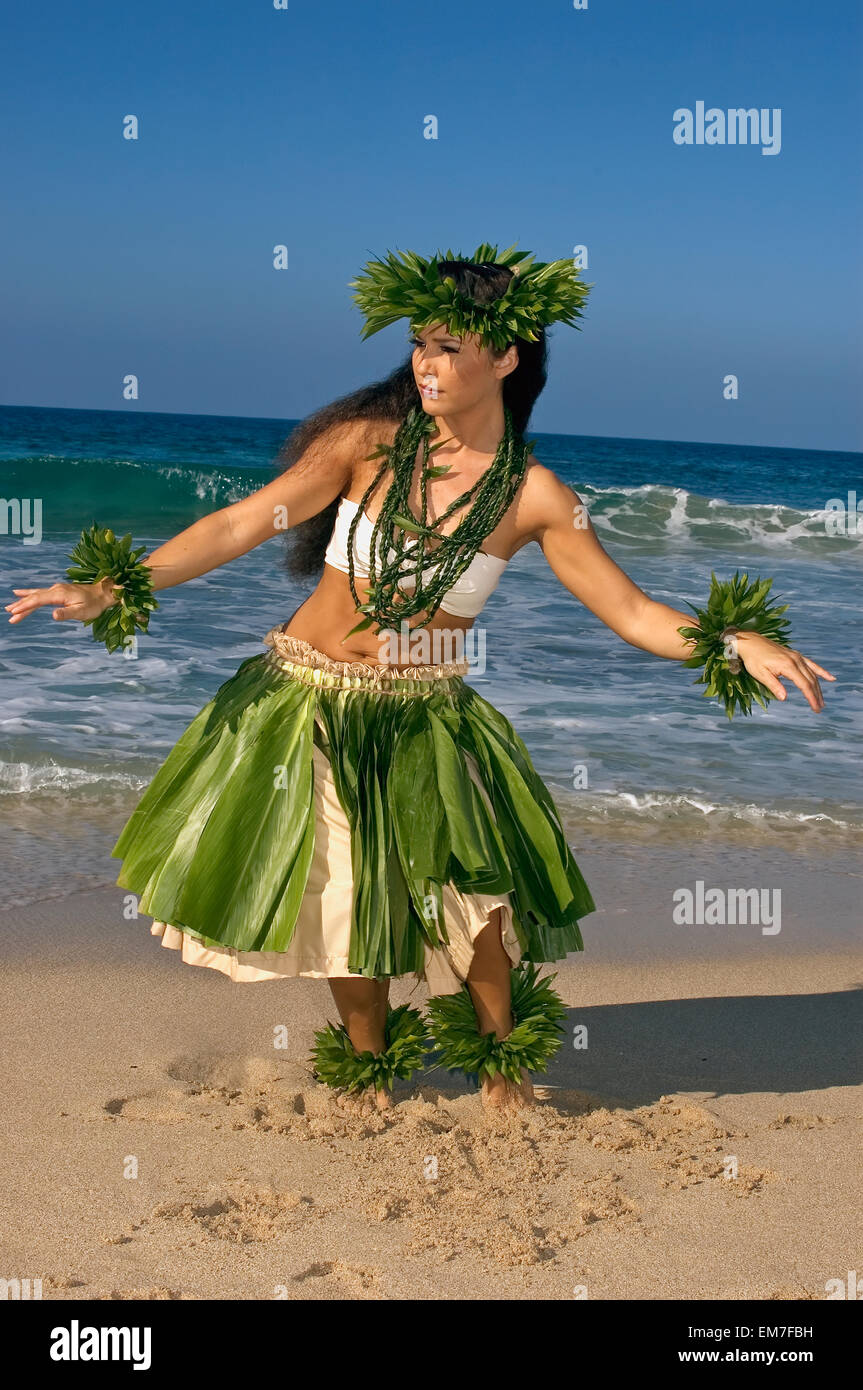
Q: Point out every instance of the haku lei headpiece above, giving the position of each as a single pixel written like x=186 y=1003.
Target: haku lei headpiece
x=405 y=285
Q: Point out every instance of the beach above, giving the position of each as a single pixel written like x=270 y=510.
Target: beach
x=704 y=1144
x=698 y=1134
x=258 y=275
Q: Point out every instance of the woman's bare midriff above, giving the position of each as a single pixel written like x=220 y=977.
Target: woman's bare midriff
x=329 y=613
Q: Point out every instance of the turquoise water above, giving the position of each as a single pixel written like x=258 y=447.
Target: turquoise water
x=81 y=732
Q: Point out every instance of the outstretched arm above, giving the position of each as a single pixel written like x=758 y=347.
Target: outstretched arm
x=318 y=477
x=559 y=522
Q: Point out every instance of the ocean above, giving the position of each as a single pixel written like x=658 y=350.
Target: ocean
x=630 y=748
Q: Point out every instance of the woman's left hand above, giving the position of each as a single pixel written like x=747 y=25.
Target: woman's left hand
x=769 y=662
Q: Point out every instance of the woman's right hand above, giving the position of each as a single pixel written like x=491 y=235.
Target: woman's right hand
x=81 y=602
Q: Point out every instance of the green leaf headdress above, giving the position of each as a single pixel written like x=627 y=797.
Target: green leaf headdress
x=405 y=285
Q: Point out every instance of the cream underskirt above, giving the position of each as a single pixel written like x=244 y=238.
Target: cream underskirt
x=319 y=947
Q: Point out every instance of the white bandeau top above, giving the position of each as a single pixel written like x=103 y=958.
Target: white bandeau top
x=465 y=599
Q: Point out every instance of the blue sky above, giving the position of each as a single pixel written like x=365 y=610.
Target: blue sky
x=305 y=127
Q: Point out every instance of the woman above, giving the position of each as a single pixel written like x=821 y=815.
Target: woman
x=347 y=807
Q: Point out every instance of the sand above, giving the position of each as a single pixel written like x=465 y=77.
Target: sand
x=159 y=1146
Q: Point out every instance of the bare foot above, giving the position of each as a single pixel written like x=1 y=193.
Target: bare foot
x=500 y=1094
x=365 y=1101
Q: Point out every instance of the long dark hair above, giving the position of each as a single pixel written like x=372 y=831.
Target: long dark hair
x=392 y=399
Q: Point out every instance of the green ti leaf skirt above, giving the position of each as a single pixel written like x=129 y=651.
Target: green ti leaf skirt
x=221 y=842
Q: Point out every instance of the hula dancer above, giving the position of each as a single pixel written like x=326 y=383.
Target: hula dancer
x=346 y=806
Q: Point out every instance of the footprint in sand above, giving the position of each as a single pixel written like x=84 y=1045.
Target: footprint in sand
x=219 y=1090
x=162 y=1106
x=500 y=1189
x=337 y=1279
x=240 y=1213
x=600 y=1199
x=749 y=1180
x=801 y=1121
x=681 y=1141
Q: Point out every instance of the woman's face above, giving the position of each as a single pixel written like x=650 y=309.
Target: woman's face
x=454 y=374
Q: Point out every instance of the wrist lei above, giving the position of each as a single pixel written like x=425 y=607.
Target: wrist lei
x=734 y=607
x=99 y=555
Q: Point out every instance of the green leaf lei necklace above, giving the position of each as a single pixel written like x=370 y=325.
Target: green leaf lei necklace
x=402 y=537
x=405 y=285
